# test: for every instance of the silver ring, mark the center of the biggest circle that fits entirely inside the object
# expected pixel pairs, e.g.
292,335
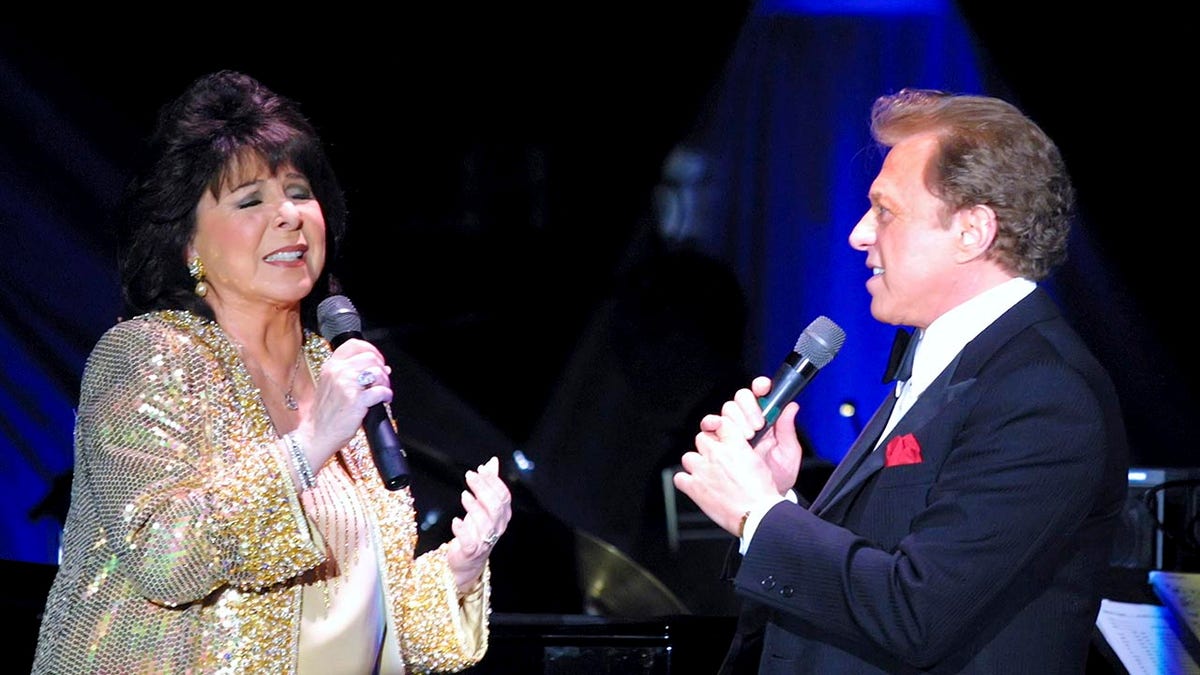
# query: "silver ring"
492,538
365,379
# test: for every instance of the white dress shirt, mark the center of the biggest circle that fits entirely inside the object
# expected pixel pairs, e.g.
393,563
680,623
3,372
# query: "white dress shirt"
943,339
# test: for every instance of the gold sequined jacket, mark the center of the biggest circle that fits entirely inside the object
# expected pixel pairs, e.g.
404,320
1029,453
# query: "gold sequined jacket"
185,535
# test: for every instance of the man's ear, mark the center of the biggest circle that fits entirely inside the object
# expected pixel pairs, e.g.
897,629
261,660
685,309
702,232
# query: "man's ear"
977,230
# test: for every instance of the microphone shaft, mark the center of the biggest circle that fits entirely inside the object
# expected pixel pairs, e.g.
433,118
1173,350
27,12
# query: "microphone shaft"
389,455
793,375
385,448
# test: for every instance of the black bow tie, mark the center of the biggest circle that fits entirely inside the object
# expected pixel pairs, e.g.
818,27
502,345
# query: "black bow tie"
900,361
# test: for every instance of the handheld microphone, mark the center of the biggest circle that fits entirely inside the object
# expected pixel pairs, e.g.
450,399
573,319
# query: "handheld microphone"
815,348
339,321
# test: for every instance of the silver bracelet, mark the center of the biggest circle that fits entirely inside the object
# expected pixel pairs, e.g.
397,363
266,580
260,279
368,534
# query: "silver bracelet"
307,480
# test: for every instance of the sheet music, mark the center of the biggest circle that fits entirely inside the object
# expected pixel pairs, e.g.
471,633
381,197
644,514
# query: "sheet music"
1141,636
1180,592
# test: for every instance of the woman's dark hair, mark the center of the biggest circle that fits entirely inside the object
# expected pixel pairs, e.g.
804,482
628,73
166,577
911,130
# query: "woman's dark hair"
220,118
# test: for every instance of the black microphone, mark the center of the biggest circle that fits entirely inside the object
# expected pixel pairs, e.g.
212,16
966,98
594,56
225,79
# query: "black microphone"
339,322
815,348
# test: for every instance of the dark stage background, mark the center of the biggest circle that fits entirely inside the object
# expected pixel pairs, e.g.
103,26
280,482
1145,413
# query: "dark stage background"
576,231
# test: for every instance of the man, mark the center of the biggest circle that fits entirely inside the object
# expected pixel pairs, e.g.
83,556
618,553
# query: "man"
968,527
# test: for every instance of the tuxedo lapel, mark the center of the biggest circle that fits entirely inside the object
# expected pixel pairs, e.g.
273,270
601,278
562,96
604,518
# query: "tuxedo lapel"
932,400
862,447
862,462
899,367
859,463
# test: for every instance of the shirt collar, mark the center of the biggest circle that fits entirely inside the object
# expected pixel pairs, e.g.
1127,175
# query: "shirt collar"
943,339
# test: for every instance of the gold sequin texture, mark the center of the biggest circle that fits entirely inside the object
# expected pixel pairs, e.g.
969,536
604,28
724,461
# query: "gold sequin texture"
186,544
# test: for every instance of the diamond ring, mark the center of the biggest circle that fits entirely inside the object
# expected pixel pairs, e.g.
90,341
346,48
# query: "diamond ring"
365,379
492,538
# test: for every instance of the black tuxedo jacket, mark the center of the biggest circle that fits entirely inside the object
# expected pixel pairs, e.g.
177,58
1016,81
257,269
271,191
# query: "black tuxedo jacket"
985,556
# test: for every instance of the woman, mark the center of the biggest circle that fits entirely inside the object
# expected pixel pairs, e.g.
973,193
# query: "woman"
225,514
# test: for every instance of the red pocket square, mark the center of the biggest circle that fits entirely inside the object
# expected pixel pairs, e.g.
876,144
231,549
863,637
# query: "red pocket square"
902,450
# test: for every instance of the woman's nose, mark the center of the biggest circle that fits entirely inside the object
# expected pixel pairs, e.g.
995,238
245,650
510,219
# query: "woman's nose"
289,215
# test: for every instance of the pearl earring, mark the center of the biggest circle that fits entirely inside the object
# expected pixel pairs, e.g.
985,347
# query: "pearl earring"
196,270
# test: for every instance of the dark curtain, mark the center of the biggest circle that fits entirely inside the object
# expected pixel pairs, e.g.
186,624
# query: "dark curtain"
58,291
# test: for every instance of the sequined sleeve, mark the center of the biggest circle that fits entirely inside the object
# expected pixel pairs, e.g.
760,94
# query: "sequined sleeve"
442,633
192,494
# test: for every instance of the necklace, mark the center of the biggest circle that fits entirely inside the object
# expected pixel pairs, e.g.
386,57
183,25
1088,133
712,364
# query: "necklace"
289,399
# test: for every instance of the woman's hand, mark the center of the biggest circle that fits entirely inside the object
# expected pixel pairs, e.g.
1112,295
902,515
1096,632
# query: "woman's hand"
488,505
354,378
